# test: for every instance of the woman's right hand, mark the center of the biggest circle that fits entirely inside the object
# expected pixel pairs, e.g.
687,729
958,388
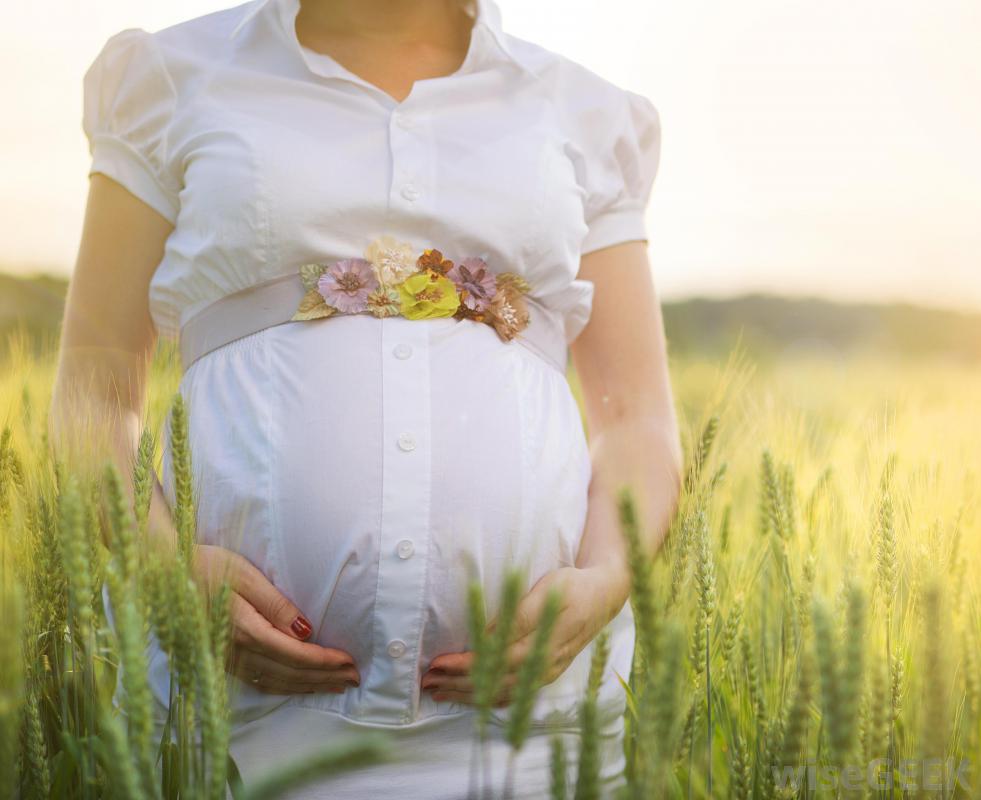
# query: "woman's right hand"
268,651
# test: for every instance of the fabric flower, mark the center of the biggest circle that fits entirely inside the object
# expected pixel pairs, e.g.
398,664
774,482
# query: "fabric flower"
508,312
387,283
384,302
426,295
393,260
514,281
433,260
476,283
347,284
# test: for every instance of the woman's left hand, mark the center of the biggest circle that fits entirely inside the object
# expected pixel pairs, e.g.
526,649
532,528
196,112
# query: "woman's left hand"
591,597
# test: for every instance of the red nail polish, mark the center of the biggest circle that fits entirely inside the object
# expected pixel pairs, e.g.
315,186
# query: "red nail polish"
439,697
301,627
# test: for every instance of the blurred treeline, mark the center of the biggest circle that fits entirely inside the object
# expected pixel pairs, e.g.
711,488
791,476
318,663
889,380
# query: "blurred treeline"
769,326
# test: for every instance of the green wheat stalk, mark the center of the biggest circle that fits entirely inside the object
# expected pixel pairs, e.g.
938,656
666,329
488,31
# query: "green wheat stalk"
588,768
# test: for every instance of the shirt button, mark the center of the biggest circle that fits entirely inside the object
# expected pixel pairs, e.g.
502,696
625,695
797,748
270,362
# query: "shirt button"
406,548
410,192
407,441
404,121
396,648
403,350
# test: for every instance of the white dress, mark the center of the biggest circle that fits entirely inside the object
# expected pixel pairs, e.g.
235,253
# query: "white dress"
371,467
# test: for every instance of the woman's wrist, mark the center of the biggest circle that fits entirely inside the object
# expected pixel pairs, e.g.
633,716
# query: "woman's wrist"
612,581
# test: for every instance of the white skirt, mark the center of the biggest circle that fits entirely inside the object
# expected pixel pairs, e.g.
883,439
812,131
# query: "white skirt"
438,758
372,468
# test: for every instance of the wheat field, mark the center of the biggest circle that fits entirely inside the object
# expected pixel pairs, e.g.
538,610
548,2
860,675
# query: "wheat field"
811,627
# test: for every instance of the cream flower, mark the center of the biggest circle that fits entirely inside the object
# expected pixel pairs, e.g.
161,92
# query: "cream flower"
393,261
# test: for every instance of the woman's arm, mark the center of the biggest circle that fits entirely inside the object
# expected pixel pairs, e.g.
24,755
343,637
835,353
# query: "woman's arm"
621,360
107,339
97,410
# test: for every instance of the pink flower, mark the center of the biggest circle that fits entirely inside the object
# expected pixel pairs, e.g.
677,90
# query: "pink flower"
347,284
476,283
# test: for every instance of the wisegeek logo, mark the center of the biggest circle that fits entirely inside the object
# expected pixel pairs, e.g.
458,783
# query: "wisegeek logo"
927,774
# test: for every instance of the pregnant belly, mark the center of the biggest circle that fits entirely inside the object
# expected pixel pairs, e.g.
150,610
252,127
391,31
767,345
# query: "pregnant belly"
372,468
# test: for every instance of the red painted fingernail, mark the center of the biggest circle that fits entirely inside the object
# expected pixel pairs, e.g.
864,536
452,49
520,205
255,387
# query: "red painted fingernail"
439,697
301,627
336,689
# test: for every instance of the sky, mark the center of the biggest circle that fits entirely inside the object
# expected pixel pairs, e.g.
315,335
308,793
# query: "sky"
827,149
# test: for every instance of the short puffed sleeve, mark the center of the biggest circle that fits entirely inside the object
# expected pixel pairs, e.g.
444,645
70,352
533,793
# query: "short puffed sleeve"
128,103
623,164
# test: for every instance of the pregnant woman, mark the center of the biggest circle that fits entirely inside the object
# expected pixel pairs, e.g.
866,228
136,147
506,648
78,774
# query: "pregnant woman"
379,229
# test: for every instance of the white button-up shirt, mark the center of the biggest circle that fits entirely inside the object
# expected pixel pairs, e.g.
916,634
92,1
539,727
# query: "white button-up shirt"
371,467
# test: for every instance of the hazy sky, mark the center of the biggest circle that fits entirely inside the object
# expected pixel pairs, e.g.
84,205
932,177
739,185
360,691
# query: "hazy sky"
829,148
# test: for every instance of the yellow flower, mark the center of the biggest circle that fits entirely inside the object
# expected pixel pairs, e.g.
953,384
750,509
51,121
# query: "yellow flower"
428,294
394,261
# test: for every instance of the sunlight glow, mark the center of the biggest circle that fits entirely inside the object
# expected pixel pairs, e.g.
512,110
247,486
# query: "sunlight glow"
825,148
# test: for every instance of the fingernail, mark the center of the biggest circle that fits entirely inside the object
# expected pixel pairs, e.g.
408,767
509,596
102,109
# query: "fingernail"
335,689
439,697
301,627
430,684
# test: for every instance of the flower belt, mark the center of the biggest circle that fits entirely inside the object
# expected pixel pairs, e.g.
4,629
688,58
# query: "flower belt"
389,283
391,280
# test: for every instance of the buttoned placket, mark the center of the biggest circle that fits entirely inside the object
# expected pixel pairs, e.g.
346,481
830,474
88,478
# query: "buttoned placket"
391,691
406,464
406,500
411,147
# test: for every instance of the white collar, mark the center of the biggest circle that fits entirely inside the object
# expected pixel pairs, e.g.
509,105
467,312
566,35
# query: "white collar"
487,18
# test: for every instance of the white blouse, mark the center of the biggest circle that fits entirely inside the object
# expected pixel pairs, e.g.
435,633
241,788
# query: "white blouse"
266,155
370,466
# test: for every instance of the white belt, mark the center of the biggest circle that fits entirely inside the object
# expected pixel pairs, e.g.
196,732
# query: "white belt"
273,302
